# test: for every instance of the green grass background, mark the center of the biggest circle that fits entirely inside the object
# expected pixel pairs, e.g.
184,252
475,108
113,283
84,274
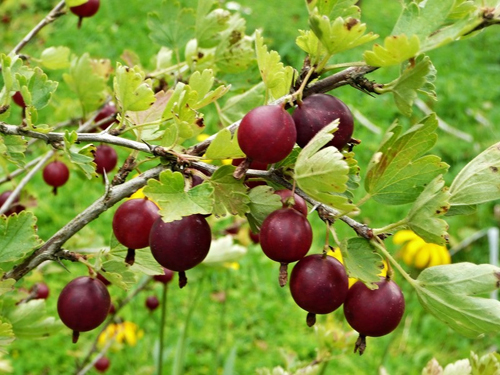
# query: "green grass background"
258,322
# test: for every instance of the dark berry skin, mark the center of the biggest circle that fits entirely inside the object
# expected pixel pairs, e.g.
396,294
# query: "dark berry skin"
167,276
56,174
105,159
102,364
317,111
83,304
112,309
267,134
285,235
18,99
374,312
255,237
41,291
108,110
86,10
300,204
152,303
319,284
133,221
182,244
15,207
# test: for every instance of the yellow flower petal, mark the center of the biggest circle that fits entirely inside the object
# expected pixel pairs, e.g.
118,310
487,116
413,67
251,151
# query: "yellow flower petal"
227,161
404,236
422,257
336,254
409,251
232,265
201,137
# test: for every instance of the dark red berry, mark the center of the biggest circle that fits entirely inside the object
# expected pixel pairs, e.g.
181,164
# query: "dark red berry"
18,99
167,276
285,237
56,174
102,364
112,308
40,291
108,110
15,207
319,285
255,237
87,9
299,205
132,223
267,134
196,180
152,303
105,159
180,245
316,112
374,312
83,305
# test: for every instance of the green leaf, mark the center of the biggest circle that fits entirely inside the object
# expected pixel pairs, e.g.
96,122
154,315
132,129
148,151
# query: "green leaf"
174,27
74,3
30,321
239,105
144,262
17,236
152,115
418,77
478,181
277,78
488,364
335,8
6,336
450,293
422,18
82,157
12,148
132,91
322,173
396,49
398,172
230,194
340,34
423,217
200,85
6,286
174,202
224,146
12,67
39,89
263,201
89,86
354,173
209,24
461,210
362,261
309,42
55,57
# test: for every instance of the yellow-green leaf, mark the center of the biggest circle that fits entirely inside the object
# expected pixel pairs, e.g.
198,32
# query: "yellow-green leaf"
396,49
133,92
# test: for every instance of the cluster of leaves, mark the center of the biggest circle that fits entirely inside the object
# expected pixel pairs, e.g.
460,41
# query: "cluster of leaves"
165,107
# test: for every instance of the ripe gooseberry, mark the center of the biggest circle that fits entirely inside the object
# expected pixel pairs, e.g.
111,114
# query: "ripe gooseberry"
299,205
132,223
285,237
106,111
373,312
267,134
317,111
40,291
319,285
85,10
102,364
181,244
83,305
167,276
152,303
105,159
55,174
15,207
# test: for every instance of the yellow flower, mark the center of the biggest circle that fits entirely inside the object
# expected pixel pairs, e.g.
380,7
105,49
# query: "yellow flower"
201,137
418,253
123,333
338,255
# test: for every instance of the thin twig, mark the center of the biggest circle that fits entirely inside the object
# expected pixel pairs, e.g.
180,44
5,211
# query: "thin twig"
19,171
25,181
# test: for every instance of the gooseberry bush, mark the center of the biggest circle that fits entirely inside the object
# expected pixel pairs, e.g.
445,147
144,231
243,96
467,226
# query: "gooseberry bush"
289,141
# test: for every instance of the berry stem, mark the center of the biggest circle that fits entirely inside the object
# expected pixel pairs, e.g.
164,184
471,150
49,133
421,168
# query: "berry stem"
182,279
76,335
283,278
391,227
130,258
311,319
79,25
360,345
162,328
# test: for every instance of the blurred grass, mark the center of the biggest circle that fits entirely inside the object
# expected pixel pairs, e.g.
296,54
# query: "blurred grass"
258,318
